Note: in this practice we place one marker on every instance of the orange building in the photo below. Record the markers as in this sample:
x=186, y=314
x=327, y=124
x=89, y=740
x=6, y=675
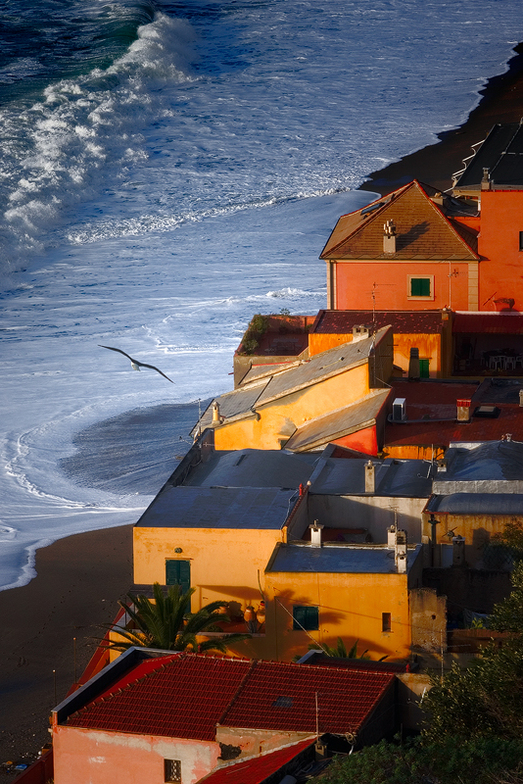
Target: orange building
x=409, y=250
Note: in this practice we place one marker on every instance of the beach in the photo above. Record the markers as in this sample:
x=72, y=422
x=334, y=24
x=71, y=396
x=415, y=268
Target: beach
x=79, y=581
x=80, y=578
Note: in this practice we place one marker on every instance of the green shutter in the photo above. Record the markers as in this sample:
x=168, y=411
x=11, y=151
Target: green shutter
x=424, y=368
x=305, y=618
x=420, y=287
x=178, y=573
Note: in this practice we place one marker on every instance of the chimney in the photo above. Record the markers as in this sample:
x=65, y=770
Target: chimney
x=316, y=530
x=463, y=410
x=414, y=364
x=458, y=551
x=400, y=551
x=485, y=181
x=389, y=237
x=216, y=413
x=391, y=536
x=360, y=331
x=370, y=477
x=521, y=397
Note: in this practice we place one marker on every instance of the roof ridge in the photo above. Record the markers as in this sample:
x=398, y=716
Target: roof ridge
x=231, y=702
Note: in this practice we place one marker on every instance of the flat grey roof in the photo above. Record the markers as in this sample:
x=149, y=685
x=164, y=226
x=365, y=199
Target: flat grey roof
x=223, y=507
x=502, y=154
x=393, y=477
x=334, y=558
x=476, y=503
x=253, y=468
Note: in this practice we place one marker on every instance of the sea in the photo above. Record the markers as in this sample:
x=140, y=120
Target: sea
x=168, y=169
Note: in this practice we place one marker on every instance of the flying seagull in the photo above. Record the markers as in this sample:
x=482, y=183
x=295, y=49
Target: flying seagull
x=135, y=364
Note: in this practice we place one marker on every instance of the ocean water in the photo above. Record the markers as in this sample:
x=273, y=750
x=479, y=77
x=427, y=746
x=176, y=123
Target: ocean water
x=169, y=169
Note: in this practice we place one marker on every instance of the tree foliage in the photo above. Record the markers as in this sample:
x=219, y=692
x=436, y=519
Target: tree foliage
x=167, y=623
x=480, y=761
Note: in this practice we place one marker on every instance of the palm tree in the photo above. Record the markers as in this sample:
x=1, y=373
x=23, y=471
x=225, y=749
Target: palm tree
x=340, y=651
x=167, y=623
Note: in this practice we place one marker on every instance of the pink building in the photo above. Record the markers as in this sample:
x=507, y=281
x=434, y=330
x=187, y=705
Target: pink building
x=160, y=717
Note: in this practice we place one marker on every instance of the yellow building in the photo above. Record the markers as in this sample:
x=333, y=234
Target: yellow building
x=271, y=406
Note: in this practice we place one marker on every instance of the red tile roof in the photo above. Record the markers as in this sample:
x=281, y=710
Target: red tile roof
x=492, y=323
x=233, y=692
x=282, y=696
x=151, y=703
x=403, y=322
x=257, y=769
x=422, y=230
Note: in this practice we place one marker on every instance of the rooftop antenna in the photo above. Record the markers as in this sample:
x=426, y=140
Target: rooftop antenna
x=373, y=295
x=317, y=717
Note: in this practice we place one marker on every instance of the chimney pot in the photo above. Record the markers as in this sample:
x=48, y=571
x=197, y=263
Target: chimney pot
x=463, y=410
x=370, y=477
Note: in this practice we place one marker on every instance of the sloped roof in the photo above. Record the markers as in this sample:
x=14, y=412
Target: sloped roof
x=281, y=696
x=187, y=696
x=489, y=460
x=393, y=477
x=252, y=468
x=181, y=698
x=301, y=375
x=422, y=230
x=339, y=423
x=502, y=154
x=333, y=322
x=255, y=508
x=257, y=770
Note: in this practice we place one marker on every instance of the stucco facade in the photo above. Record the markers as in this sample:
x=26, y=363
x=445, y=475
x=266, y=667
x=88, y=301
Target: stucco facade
x=86, y=756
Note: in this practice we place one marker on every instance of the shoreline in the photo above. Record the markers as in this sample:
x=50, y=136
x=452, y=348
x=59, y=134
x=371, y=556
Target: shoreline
x=501, y=101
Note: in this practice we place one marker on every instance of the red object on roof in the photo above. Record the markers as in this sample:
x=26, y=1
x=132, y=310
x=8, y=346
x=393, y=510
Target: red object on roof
x=491, y=323
x=187, y=695
x=257, y=769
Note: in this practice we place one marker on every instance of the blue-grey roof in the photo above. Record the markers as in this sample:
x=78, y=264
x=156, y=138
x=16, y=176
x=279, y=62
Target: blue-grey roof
x=393, y=477
x=476, y=503
x=335, y=558
x=484, y=460
x=224, y=507
x=239, y=401
x=253, y=468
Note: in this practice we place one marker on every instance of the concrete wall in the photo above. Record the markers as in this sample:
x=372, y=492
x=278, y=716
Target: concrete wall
x=226, y=563
x=350, y=607
x=83, y=756
x=498, y=246
x=375, y=513
x=354, y=289
x=428, y=615
x=256, y=741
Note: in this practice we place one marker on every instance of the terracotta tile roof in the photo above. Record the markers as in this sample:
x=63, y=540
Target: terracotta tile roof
x=334, y=322
x=151, y=703
x=186, y=696
x=257, y=769
x=282, y=696
x=422, y=230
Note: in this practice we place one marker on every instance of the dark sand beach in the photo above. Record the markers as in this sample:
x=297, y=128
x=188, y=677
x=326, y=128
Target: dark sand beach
x=79, y=581
x=501, y=102
x=80, y=578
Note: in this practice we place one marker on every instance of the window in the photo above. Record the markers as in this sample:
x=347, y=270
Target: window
x=421, y=287
x=386, y=622
x=178, y=573
x=173, y=771
x=305, y=617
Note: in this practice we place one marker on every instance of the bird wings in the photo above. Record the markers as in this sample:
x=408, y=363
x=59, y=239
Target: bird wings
x=137, y=362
